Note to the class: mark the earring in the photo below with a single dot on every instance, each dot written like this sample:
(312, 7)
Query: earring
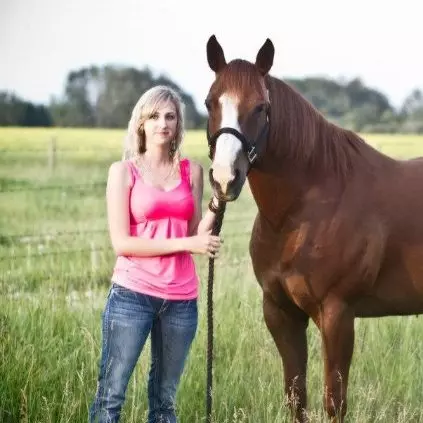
(172, 148)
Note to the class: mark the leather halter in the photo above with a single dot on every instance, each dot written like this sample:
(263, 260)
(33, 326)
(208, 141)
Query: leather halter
(252, 149)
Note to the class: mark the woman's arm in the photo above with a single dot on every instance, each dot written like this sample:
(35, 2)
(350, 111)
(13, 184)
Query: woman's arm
(117, 194)
(199, 224)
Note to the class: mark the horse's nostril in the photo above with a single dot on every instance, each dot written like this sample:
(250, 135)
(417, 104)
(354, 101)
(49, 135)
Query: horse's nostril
(224, 181)
(234, 177)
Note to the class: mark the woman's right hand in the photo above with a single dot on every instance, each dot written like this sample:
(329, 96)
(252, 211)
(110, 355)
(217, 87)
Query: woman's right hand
(205, 244)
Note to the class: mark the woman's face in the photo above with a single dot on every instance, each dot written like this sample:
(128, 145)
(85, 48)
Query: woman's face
(160, 127)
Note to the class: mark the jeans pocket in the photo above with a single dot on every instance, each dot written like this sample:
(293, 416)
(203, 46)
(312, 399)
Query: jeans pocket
(124, 301)
(123, 292)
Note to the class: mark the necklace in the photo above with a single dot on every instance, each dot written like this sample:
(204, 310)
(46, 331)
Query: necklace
(155, 177)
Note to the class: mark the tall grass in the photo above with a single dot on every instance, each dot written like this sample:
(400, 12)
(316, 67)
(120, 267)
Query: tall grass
(51, 303)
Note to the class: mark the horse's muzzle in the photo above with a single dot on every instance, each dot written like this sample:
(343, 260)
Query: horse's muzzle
(226, 188)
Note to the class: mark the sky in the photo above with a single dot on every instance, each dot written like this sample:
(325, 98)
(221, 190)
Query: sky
(42, 40)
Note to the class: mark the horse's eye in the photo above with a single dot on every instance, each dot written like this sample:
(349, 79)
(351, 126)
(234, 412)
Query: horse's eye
(207, 103)
(260, 108)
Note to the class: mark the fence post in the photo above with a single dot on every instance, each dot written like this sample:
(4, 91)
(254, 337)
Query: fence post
(28, 256)
(94, 258)
(52, 155)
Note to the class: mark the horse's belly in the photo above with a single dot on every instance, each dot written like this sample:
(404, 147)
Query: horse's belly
(398, 289)
(379, 307)
(412, 264)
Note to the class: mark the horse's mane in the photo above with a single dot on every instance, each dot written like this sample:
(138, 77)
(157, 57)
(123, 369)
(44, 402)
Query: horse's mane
(299, 132)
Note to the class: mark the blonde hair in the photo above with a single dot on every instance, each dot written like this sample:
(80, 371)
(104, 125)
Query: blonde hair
(148, 104)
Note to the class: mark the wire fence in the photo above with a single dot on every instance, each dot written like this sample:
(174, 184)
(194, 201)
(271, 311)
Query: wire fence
(28, 240)
(41, 253)
(70, 187)
(52, 253)
(51, 154)
(31, 237)
(34, 246)
(51, 149)
(26, 237)
(94, 256)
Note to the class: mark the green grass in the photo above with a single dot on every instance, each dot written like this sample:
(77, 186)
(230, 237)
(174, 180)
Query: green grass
(51, 302)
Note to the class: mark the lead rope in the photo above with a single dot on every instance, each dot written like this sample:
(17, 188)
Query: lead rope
(209, 390)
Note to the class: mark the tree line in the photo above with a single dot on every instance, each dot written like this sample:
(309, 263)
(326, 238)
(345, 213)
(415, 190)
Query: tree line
(104, 97)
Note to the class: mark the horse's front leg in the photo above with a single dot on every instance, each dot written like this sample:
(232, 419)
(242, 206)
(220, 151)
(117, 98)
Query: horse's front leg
(288, 327)
(337, 329)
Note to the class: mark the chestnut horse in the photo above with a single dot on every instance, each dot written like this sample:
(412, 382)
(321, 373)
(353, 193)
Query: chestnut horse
(337, 234)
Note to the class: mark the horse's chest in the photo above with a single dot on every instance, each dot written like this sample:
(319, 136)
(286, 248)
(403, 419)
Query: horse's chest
(307, 259)
(274, 265)
(281, 282)
(278, 250)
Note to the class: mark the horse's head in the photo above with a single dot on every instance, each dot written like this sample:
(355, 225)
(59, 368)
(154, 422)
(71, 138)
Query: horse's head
(238, 107)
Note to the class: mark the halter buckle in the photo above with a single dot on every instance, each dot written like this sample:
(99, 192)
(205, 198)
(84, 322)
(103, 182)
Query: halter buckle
(252, 154)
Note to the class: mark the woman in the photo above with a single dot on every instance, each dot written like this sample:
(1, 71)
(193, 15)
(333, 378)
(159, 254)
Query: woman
(155, 223)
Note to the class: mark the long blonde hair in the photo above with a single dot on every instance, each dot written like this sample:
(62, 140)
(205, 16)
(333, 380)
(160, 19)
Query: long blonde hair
(148, 104)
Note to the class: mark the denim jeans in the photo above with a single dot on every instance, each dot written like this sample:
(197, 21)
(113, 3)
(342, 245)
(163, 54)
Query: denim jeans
(128, 319)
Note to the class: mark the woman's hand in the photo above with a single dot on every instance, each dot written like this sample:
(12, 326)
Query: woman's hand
(205, 244)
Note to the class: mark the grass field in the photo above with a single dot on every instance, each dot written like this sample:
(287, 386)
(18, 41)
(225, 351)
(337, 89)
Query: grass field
(55, 265)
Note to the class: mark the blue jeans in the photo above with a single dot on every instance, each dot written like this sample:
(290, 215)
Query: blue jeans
(128, 319)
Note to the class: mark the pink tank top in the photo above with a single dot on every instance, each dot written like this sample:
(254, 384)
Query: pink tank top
(158, 214)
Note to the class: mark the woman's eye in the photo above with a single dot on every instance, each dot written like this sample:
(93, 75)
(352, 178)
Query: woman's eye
(154, 116)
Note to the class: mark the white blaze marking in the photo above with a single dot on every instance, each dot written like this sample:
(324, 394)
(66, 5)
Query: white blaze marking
(228, 146)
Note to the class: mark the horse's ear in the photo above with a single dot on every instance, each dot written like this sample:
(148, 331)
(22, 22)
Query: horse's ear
(215, 55)
(264, 59)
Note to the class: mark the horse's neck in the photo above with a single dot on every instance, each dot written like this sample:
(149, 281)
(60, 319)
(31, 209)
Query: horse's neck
(274, 195)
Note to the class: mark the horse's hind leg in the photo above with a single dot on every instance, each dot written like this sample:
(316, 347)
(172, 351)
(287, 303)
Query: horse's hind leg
(288, 328)
(337, 328)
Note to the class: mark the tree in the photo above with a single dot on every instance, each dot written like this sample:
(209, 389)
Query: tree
(105, 96)
(413, 103)
(16, 112)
